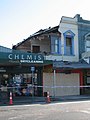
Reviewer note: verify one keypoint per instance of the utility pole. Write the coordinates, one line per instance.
(54, 83)
(32, 70)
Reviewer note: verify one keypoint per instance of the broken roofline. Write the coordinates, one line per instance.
(40, 32)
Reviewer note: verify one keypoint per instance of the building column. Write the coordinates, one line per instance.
(40, 81)
(81, 82)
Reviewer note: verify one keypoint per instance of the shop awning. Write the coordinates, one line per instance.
(70, 65)
(47, 62)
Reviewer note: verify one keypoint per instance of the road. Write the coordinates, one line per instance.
(79, 110)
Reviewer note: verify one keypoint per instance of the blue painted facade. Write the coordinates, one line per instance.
(83, 30)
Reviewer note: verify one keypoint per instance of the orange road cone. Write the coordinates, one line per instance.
(10, 101)
(48, 98)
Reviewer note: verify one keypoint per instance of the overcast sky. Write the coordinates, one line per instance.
(21, 18)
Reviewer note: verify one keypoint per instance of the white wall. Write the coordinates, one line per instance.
(66, 24)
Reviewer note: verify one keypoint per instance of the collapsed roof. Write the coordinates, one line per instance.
(38, 33)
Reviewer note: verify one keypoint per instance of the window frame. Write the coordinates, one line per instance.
(55, 47)
(87, 38)
(69, 34)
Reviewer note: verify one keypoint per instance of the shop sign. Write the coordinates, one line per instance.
(32, 69)
(23, 57)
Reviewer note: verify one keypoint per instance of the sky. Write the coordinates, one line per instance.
(21, 18)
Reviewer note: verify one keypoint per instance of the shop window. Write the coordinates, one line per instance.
(4, 80)
(88, 80)
(23, 84)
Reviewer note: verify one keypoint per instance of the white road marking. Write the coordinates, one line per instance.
(52, 103)
(69, 102)
(85, 111)
(21, 116)
(12, 118)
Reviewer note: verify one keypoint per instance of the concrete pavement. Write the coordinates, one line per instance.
(30, 100)
(76, 110)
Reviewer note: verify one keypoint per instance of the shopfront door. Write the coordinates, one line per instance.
(87, 82)
(25, 84)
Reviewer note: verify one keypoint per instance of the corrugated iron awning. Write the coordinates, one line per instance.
(70, 65)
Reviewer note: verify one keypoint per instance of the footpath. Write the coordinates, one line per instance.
(32, 100)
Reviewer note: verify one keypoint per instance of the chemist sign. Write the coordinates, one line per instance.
(22, 57)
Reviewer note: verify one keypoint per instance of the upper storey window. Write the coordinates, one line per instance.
(69, 43)
(87, 42)
(55, 45)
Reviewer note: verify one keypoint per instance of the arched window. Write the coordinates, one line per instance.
(87, 42)
(69, 42)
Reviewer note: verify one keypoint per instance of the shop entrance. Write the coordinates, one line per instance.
(23, 85)
(16, 75)
(86, 89)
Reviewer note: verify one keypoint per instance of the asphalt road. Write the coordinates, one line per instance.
(79, 110)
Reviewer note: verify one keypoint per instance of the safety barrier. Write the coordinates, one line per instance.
(52, 91)
(49, 87)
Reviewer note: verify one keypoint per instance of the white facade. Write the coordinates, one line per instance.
(64, 82)
(67, 24)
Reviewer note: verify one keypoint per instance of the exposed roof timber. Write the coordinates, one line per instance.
(40, 32)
